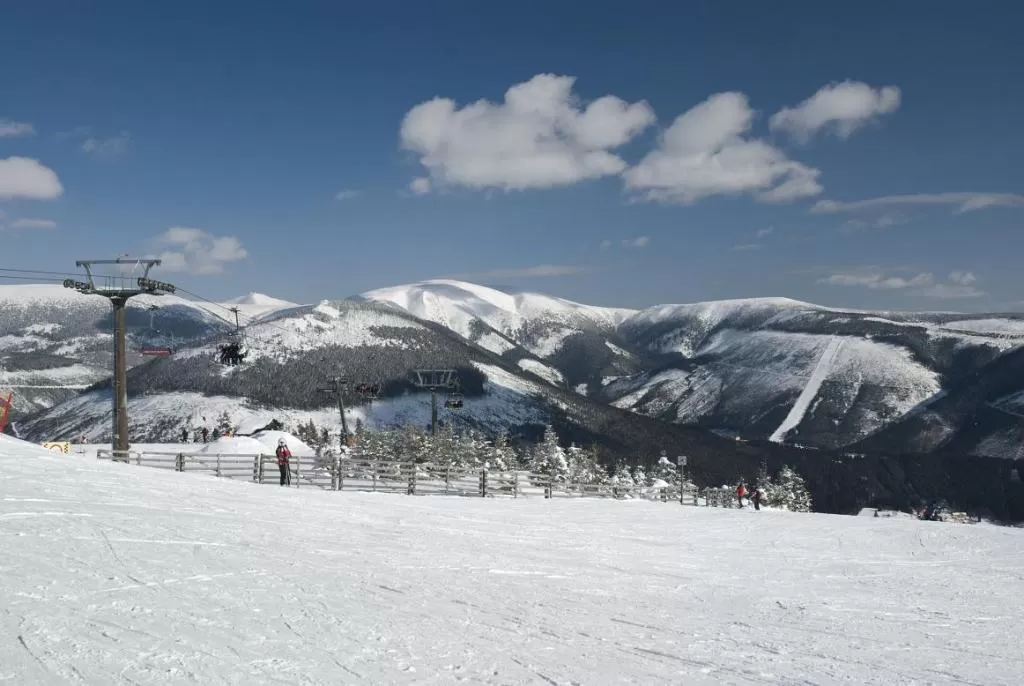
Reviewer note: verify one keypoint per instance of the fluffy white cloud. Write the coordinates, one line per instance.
(33, 224)
(841, 108)
(761, 233)
(539, 137)
(109, 147)
(197, 251)
(705, 152)
(347, 194)
(605, 244)
(23, 177)
(11, 129)
(965, 202)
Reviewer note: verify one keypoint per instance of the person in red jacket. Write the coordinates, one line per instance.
(283, 455)
(741, 492)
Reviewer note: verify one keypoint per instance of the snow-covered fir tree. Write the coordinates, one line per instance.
(502, 457)
(549, 458)
(788, 491)
(666, 472)
(640, 479)
(583, 466)
(622, 480)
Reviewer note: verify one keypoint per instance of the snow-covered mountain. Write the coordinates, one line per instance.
(785, 370)
(293, 352)
(542, 334)
(765, 369)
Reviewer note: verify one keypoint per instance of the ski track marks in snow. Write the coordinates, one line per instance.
(180, 578)
(803, 401)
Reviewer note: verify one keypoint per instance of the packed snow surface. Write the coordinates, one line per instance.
(114, 573)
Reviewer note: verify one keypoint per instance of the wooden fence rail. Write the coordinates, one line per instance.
(336, 474)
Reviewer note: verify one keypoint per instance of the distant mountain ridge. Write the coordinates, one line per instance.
(758, 369)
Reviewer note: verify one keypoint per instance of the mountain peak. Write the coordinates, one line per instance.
(259, 299)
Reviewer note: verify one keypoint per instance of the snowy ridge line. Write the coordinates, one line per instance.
(803, 401)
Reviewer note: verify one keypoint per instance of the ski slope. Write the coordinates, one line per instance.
(113, 573)
(803, 401)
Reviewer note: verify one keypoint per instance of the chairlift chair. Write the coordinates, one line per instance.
(367, 390)
(454, 401)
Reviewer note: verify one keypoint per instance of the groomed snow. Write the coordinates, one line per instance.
(121, 574)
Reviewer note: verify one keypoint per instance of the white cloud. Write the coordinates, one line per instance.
(965, 202)
(761, 233)
(605, 244)
(539, 137)
(347, 194)
(11, 129)
(746, 247)
(963, 278)
(420, 186)
(841, 108)
(882, 222)
(109, 147)
(33, 224)
(197, 251)
(540, 270)
(877, 280)
(22, 177)
(638, 242)
(922, 284)
(704, 153)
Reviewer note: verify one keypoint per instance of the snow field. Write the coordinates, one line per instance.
(114, 573)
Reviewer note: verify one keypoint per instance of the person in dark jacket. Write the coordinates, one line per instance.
(283, 455)
(757, 497)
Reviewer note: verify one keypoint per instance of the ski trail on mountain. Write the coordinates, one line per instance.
(803, 401)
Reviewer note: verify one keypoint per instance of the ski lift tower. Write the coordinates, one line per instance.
(118, 289)
(435, 380)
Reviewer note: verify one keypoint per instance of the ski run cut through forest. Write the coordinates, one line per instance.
(114, 573)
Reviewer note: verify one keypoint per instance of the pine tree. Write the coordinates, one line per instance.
(640, 479)
(668, 473)
(502, 457)
(224, 422)
(788, 491)
(622, 481)
(549, 457)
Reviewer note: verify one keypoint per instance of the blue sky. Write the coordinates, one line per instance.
(293, 149)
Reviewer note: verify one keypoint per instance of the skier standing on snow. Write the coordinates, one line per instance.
(282, 462)
(741, 491)
(757, 497)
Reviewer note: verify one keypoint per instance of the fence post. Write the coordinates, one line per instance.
(298, 471)
(256, 470)
(447, 477)
(335, 474)
(376, 467)
(547, 488)
(483, 482)
(179, 462)
(218, 464)
(412, 478)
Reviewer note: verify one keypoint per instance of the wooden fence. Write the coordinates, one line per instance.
(412, 478)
